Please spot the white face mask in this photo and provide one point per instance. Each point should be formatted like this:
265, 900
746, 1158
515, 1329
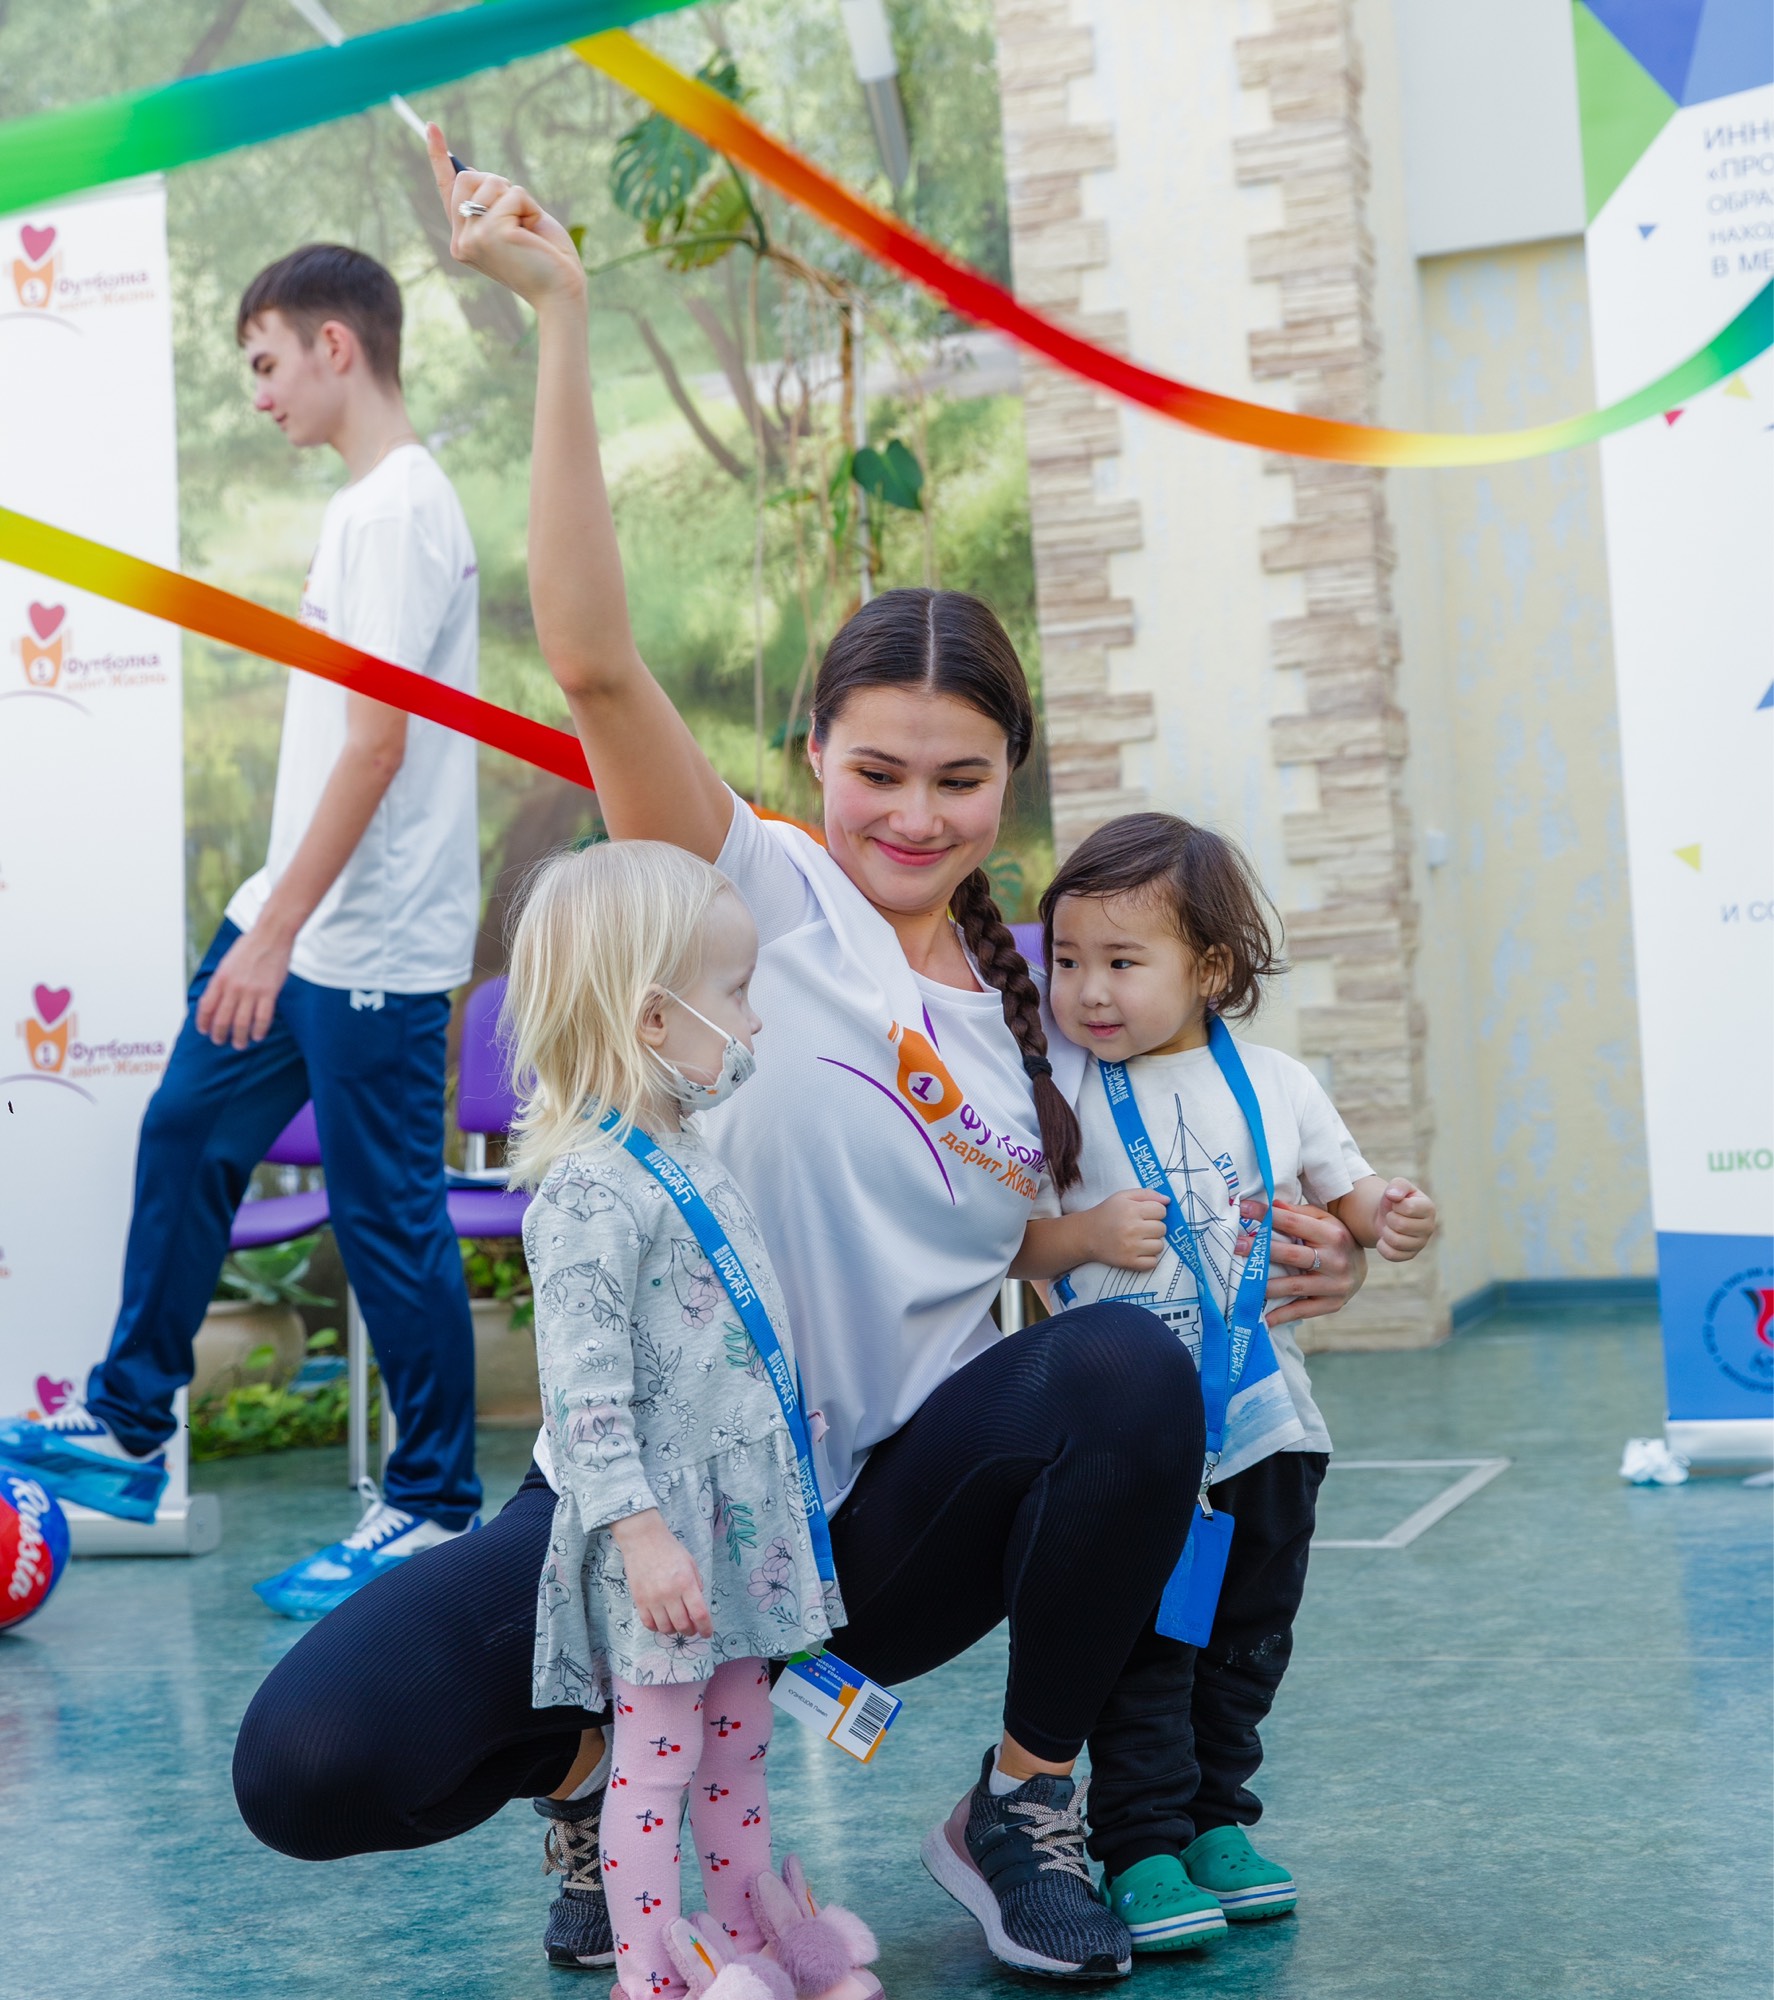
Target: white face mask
738, 1064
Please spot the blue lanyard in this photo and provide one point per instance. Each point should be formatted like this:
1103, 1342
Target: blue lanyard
740, 1289
1223, 1348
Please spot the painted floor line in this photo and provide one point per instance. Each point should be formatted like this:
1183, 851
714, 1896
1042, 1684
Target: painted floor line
1482, 1472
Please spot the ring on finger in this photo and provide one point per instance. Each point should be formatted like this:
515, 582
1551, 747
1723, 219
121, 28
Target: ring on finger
471, 208
1317, 1262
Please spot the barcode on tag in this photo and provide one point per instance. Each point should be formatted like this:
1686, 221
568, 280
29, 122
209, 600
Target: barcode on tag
846, 1708
866, 1717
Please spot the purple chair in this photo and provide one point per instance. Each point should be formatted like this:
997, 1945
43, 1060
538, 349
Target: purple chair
485, 1102
279, 1218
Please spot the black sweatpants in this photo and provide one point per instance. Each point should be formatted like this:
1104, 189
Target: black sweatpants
1176, 1745
1049, 1481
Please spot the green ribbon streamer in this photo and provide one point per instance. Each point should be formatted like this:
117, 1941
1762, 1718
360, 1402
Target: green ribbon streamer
147, 131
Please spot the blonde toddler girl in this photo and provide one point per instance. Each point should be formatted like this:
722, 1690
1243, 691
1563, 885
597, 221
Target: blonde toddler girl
685, 1552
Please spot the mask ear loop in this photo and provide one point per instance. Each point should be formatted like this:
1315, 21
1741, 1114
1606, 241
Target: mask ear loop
713, 1027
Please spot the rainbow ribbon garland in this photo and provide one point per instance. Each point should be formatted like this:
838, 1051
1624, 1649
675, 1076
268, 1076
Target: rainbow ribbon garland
721, 124
236, 621
62, 151
147, 131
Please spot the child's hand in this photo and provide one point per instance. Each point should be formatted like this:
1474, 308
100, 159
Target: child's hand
1127, 1230
1406, 1219
662, 1575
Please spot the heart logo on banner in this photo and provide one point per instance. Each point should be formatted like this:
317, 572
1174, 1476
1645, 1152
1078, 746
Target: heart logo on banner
46, 617
52, 1394
37, 242
52, 1003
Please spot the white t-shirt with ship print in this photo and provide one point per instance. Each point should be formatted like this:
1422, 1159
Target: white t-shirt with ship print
1204, 1146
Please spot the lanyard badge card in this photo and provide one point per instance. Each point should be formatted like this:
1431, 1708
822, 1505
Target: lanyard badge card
836, 1702
1192, 1595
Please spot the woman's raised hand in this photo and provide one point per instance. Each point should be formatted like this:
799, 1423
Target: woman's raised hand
516, 241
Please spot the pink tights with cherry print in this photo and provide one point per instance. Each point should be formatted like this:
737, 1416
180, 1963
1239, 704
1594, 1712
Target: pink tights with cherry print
708, 1738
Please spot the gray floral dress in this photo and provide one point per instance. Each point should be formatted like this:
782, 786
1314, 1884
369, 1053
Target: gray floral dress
653, 1395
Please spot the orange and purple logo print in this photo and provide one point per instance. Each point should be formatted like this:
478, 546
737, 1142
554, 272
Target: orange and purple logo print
43, 648
927, 1094
33, 268
924, 1082
46, 1031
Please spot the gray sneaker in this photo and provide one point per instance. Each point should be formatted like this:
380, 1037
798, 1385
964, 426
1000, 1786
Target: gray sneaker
1017, 1864
578, 1935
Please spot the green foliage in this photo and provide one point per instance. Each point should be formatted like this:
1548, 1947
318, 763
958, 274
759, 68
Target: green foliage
657, 166
250, 507
1005, 872
494, 1269
264, 1416
271, 1276
719, 220
891, 475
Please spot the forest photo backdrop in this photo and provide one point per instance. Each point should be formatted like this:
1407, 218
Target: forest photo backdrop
727, 333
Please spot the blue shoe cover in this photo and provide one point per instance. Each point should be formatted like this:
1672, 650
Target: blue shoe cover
129, 1489
320, 1582
315, 1585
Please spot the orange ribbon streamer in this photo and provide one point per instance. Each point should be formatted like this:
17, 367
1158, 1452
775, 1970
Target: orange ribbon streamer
719, 123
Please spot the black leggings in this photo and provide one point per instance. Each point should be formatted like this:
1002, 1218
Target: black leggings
1049, 1481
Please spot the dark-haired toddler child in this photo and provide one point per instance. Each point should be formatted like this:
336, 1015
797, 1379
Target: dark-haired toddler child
1154, 926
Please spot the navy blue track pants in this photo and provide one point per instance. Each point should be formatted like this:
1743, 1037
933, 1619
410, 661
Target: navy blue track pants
376, 1075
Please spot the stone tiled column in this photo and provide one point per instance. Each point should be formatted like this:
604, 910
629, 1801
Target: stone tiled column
1323, 356
1070, 427
1357, 839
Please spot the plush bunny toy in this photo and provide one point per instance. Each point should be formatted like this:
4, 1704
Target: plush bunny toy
811, 1953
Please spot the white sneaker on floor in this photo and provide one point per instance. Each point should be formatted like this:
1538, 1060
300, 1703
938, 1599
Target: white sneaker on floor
384, 1536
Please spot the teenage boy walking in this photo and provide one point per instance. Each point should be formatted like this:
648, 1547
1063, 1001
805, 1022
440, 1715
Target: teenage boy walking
330, 975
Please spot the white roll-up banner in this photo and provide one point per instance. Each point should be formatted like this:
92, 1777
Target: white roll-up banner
1678, 138
92, 917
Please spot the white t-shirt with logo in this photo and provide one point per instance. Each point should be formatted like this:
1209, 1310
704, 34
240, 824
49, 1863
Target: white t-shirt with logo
394, 573
1205, 1149
888, 1144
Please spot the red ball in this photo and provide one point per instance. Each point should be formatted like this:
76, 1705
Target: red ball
33, 1545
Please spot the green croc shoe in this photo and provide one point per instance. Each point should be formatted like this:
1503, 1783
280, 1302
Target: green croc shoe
1163, 1909
1224, 1863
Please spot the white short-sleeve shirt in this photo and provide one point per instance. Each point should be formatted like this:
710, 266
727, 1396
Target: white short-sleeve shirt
888, 1145
1204, 1146
394, 573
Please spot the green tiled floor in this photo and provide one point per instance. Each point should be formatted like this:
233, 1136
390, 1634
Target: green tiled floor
1528, 1756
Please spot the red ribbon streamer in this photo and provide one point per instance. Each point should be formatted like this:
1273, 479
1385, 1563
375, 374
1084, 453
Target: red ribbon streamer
236, 621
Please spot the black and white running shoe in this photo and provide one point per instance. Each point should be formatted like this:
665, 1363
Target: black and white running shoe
579, 1935
1017, 1864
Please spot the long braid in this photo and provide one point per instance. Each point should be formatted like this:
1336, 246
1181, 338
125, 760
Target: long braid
994, 949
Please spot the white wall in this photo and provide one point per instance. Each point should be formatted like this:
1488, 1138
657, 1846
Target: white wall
1489, 104
1166, 77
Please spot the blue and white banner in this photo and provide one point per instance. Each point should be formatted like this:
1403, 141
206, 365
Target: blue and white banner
1678, 141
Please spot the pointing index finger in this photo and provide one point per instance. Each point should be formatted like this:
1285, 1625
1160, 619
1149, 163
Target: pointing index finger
444, 164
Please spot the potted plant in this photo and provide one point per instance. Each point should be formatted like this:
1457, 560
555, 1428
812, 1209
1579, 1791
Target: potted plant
506, 1389
252, 1331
